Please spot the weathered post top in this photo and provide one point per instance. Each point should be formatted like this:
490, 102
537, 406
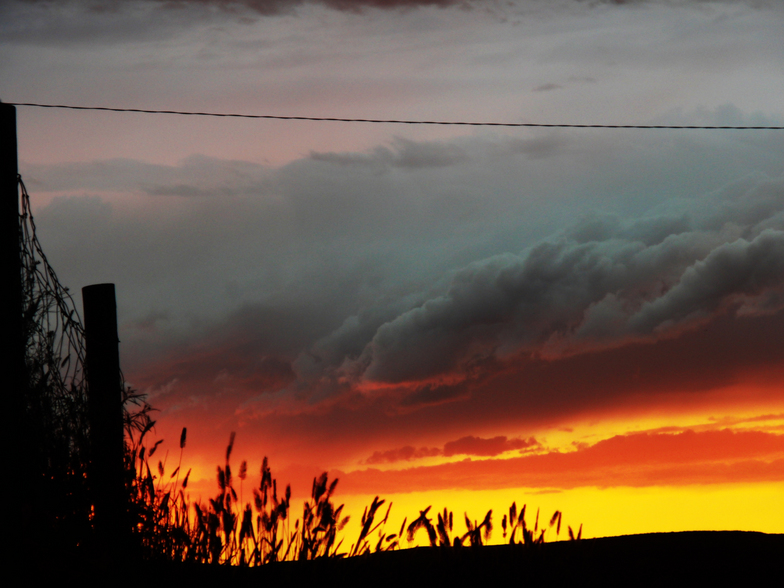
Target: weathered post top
104, 393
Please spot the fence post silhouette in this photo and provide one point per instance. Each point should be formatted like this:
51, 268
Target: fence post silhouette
16, 433
104, 386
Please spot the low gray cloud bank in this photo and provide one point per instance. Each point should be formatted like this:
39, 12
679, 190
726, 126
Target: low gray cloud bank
416, 265
602, 283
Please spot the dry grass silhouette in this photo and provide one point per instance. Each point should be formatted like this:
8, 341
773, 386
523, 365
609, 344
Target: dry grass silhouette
226, 530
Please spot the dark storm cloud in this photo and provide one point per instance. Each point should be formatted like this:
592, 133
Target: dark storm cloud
303, 286
251, 349
529, 395
729, 273
604, 282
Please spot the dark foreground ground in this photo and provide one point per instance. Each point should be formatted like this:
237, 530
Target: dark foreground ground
689, 558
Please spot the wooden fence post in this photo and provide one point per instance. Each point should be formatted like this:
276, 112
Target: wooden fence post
23, 458
104, 388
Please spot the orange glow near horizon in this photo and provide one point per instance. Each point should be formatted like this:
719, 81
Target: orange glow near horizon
713, 471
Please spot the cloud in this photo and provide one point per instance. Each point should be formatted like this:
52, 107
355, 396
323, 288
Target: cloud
270, 7
634, 460
604, 282
468, 445
276, 6
74, 23
194, 176
486, 447
354, 5
262, 7
403, 153
730, 272
107, 22
382, 282
406, 453
542, 275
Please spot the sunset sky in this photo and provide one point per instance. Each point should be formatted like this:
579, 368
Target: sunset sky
583, 319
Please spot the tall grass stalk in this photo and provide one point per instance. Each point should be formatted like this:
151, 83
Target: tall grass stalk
227, 531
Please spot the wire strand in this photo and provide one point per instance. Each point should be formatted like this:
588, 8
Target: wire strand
392, 121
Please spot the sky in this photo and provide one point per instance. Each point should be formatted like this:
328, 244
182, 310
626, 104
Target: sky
580, 319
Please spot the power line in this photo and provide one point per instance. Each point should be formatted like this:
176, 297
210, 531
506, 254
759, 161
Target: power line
389, 121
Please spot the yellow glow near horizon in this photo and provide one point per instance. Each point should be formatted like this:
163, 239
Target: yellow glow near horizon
603, 512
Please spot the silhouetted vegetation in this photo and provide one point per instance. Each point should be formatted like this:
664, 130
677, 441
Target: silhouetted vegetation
225, 531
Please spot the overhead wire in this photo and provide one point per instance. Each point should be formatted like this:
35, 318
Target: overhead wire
393, 121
